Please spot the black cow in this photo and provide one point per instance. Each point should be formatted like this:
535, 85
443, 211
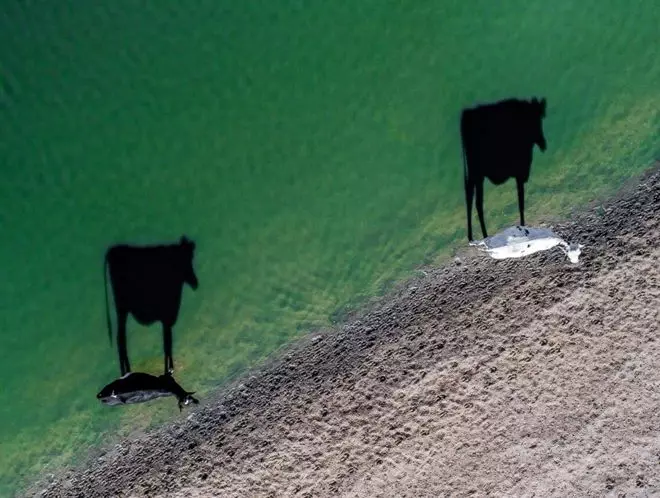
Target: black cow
138, 387
498, 140
147, 282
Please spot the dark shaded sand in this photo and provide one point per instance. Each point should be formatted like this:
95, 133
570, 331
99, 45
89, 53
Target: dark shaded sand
529, 377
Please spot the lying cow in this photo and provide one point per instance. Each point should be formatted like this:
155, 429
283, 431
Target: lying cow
138, 387
518, 241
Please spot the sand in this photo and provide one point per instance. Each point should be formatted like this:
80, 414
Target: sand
529, 377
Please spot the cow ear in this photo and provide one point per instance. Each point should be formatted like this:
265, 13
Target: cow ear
185, 241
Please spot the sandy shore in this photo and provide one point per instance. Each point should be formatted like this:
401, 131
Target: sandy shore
529, 377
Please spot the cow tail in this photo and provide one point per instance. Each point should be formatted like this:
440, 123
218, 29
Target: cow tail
105, 287
463, 136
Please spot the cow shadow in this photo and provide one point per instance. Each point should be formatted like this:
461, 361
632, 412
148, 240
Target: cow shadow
147, 282
498, 141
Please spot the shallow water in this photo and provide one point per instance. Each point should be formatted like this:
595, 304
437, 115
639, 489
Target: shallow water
311, 149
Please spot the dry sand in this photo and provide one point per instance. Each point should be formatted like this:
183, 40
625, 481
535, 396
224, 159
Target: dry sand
530, 377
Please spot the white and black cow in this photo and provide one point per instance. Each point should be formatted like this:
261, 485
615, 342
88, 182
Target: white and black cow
138, 387
147, 282
498, 140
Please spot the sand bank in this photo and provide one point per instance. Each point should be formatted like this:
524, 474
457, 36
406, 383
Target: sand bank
530, 377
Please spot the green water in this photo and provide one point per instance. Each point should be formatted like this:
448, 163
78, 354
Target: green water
310, 148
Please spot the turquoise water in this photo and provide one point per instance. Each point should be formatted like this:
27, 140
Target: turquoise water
310, 148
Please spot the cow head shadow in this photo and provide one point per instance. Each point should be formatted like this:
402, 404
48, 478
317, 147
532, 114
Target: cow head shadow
498, 141
147, 282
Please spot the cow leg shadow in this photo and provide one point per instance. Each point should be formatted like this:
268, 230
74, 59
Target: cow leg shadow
521, 200
469, 194
167, 347
124, 365
480, 206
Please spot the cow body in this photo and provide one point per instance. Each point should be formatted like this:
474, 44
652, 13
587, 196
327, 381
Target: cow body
498, 141
147, 282
138, 387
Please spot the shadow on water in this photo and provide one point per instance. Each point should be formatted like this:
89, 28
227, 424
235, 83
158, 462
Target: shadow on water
147, 282
498, 140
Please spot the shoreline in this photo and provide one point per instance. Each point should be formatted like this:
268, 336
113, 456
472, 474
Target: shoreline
320, 416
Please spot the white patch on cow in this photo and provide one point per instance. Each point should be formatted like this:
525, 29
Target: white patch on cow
516, 242
111, 400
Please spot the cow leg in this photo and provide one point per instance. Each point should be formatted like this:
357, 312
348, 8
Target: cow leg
167, 347
469, 193
521, 200
124, 365
480, 206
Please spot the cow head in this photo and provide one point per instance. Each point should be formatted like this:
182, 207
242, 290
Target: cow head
187, 254
538, 113
186, 399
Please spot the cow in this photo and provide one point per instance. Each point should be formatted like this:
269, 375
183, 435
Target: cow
498, 140
138, 387
147, 282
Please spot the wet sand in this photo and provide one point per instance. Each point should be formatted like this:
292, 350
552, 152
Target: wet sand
529, 377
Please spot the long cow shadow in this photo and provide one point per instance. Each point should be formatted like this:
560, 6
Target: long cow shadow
498, 141
147, 282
